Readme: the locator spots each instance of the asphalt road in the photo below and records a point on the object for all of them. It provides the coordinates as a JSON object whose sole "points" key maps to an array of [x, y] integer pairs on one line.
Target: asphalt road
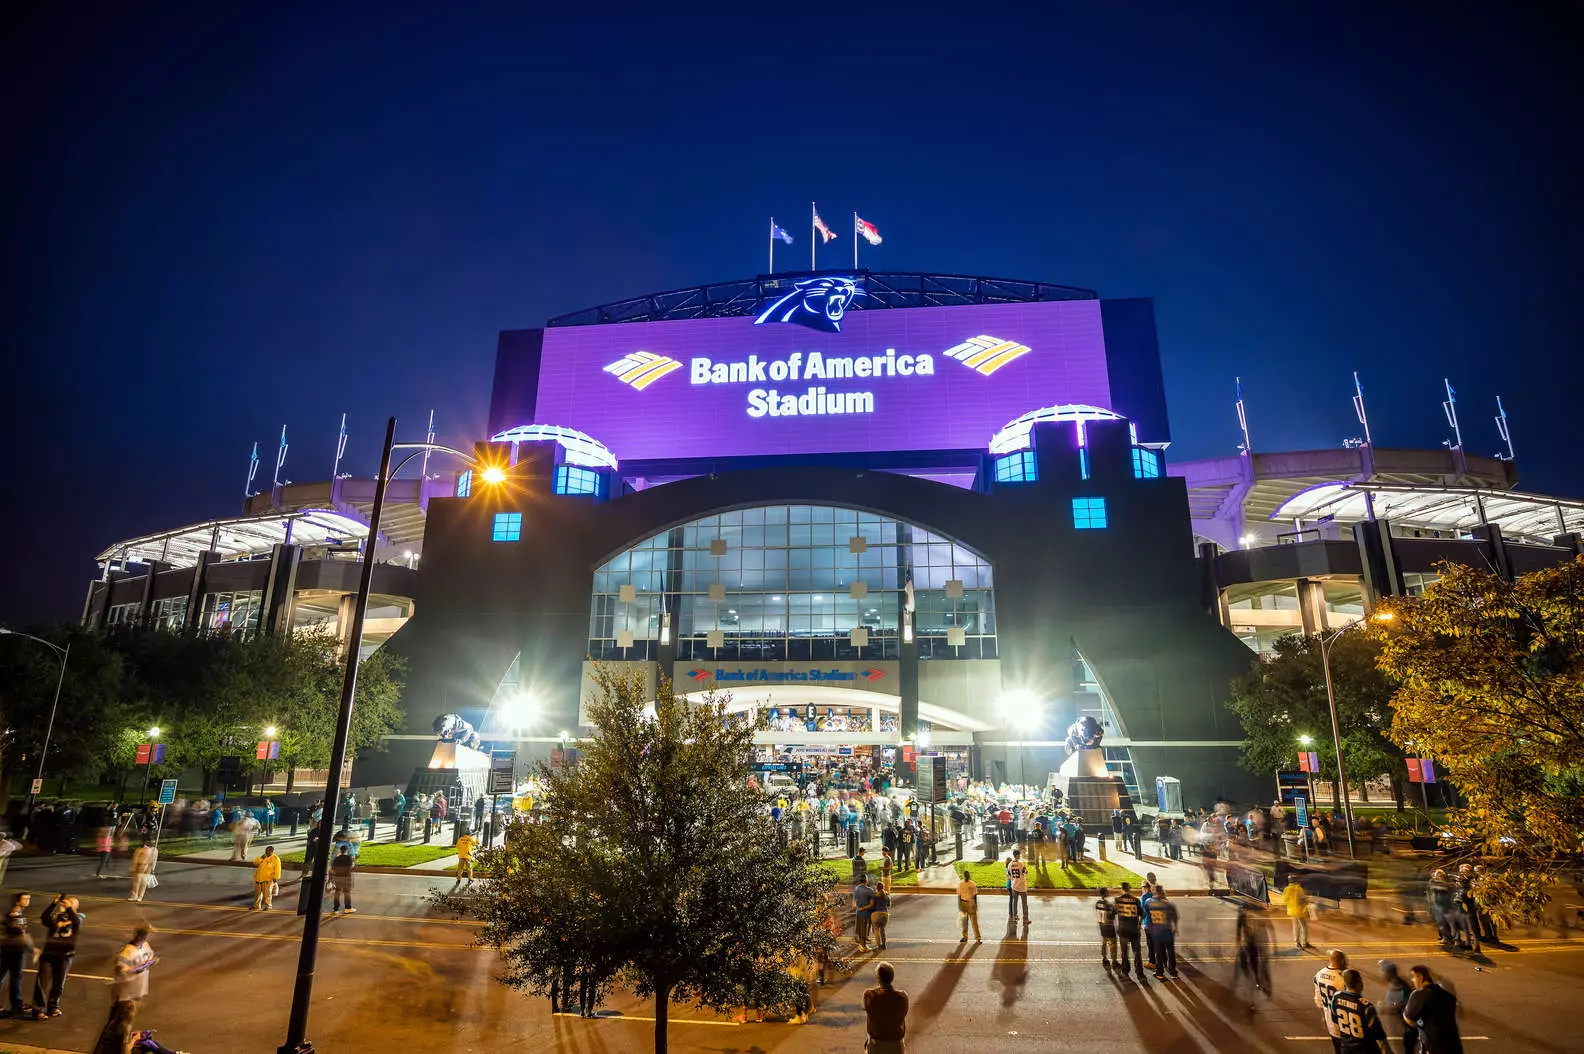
{"points": [[396, 977]]}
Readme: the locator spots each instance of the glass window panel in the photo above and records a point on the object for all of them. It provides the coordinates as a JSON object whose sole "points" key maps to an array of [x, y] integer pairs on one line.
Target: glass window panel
{"points": [[731, 519], [775, 534], [752, 517], [776, 514], [823, 514], [824, 534]]}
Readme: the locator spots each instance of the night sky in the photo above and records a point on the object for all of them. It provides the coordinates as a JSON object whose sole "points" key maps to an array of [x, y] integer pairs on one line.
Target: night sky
{"points": [[217, 222]]}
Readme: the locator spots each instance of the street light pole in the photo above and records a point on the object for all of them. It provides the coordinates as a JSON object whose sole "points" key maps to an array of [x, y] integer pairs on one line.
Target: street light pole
{"points": [[65, 654], [1336, 731], [319, 866]]}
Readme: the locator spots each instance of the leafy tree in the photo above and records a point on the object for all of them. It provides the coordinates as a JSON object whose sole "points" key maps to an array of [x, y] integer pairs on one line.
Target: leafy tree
{"points": [[1492, 688], [657, 866], [92, 710], [1284, 697]]}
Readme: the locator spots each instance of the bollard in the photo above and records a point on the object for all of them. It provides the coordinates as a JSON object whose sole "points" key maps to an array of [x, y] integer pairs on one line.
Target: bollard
{"points": [[1102, 842], [428, 829], [372, 823], [295, 815], [959, 843]]}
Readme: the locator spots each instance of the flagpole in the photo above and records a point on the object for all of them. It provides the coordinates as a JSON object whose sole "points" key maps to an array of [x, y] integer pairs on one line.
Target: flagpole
{"points": [[813, 211], [772, 246], [855, 239]]}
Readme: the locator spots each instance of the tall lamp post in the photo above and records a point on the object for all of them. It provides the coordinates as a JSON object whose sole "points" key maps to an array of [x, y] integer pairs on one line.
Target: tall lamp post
{"points": [[302, 993], [1336, 731], [65, 654]]}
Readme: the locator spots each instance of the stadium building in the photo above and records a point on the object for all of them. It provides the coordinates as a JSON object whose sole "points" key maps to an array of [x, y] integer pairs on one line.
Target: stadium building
{"points": [[887, 513]]}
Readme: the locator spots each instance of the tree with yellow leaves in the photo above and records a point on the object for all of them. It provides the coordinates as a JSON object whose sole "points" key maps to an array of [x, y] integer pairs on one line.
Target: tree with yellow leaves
{"points": [[1491, 677]]}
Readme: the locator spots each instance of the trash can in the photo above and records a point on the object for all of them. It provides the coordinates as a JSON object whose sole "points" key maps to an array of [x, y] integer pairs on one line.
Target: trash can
{"points": [[852, 842]]}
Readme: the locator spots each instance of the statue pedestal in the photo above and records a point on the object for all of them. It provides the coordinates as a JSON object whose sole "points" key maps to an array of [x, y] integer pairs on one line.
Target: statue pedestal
{"points": [[1090, 791]]}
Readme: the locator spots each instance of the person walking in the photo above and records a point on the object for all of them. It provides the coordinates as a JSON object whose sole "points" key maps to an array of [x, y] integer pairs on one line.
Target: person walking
{"points": [[1253, 960], [1162, 924], [1017, 886], [104, 843], [1393, 1001], [1296, 901], [341, 882], [880, 914], [968, 906], [243, 827], [133, 963], [1128, 914], [885, 866], [464, 848], [885, 1012], [62, 923], [1357, 1021], [144, 861], [1327, 983], [863, 907], [266, 873], [15, 943], [1433, 1011], [1105, 915]]}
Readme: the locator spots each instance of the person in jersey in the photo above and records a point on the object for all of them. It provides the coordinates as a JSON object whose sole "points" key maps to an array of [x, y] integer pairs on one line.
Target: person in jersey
{"points": [[1359, 1029], [1128, 914], [1160, 920], [1105, 916], [1017, 885], [1327, 982]]}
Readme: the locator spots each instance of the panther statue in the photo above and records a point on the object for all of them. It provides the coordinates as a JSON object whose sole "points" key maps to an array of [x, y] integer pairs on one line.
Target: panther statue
{"points": [[1085, 734], [451, 728]]}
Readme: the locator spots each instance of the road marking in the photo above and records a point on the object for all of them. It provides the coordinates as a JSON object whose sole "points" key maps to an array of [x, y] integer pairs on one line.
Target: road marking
{"points": [[619, 1016]]}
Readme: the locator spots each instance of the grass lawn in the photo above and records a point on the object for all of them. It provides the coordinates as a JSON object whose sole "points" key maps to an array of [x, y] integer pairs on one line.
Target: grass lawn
{"points": [[388, 854]]}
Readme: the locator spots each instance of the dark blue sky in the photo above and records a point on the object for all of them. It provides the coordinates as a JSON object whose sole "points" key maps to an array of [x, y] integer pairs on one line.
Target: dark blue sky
{"points": [[218, 221]]}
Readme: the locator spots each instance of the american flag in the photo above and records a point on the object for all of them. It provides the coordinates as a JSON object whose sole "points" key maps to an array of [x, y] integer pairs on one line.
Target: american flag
{"points": [[826, 234]]}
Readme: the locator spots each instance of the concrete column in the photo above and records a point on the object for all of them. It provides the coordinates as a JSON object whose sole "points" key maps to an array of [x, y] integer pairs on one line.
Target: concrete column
{"points": [[344, 622], [1311, 606]]}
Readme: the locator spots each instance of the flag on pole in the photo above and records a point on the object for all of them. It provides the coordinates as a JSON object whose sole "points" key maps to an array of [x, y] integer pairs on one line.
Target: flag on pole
{"points": [[777, 232], [826, 234], [870, 233]]}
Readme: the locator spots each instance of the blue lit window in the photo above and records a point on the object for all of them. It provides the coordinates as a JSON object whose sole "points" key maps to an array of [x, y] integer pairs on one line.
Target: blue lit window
{"points": [[1019, 467], [1089, 513], [1146, 463], [464, 484], [570, 479], [508, 527], [1083, 462]]}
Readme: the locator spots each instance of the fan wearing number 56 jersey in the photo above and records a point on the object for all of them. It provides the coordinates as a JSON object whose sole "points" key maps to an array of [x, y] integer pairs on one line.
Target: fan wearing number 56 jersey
{"points": [[1358, 1026]]}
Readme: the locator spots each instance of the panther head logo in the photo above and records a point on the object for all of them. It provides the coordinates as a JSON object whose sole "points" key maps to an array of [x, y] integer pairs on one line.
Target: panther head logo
{"points": [[818, 303]]}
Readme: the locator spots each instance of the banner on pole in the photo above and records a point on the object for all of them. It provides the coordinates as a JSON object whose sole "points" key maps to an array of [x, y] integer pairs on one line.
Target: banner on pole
{"points": [[143, 753]]}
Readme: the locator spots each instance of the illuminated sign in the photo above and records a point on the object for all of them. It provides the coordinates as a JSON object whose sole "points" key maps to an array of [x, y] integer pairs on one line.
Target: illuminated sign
{"points": [[762, 675], [928, 378], [818, 303]]}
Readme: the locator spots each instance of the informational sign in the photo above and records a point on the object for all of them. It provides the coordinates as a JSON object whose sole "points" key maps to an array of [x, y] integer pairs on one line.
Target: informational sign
{"points": [[167, 792], [38, 787], [502, 773], [1301, 807], [1292, 784], [929, 378], [931, 781]]}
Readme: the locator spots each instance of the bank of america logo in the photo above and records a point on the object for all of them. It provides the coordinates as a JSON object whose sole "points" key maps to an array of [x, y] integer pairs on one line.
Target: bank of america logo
{"points": [[986, 354], [872, 674], [698, 675], [642, 368]]}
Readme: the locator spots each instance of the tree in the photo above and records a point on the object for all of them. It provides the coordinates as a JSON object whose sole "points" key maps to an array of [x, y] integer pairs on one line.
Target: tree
{"points": [[1284, 697], [92, 710], [657, 866], [1492, 688]]}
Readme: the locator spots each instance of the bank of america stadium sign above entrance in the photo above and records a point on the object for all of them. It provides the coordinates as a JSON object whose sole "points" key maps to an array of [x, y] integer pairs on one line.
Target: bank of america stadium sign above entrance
{"points": [[926, 378]]}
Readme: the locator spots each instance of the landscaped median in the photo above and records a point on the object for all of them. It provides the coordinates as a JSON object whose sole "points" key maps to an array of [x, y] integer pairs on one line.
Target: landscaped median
{"points": [[387, 854], [991, 875]]}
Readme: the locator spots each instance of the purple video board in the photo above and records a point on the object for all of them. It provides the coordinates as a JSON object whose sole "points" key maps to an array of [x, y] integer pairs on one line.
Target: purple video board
{"points": [[932, 378]]}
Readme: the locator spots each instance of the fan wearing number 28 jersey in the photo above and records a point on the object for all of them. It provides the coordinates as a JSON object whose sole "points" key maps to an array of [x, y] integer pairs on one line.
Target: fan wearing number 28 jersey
{"points": [[1358, 1025]]}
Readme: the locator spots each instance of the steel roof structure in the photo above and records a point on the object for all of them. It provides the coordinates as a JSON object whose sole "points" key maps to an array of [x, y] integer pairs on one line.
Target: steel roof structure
{"points": [[1524, 517], [238, 536], [880, 289]]}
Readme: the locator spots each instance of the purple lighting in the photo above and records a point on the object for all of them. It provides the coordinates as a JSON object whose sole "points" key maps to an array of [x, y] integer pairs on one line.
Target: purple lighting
{"points": [[936, 378]]}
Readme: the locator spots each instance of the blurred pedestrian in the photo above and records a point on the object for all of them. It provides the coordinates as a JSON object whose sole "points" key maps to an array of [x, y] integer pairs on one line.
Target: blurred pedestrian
{"points": [[885, 1011], [1161, 923], [132, 965], [1296, 900], [1393, 1001], [15, 943], [341, 882], [1105, 915], [1433, 1011], [464, 866], [266, 873], [243, 827], [104, 843], [1253, 954], [144, 861]]}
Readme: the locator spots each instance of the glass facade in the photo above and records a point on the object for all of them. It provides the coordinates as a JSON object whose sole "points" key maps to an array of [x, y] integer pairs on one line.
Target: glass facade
{"points": [[569, 479], [1146, 463], [1020, 467], [236, 613], [787, 574], [1089, 513]]}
